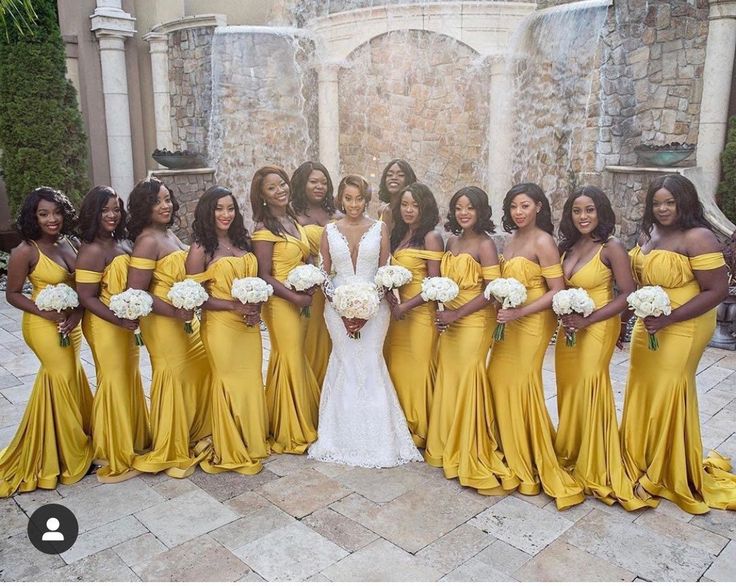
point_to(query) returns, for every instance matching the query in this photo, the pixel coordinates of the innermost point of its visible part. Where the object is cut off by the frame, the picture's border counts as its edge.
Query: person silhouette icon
(43, 529)
(52, 524)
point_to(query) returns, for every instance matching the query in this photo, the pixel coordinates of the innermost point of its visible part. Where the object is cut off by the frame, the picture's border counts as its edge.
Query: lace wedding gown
(360, 419)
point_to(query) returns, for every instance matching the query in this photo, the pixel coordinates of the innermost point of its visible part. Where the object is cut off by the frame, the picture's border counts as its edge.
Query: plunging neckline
(585, 264)
(354, 262)
(51, 260)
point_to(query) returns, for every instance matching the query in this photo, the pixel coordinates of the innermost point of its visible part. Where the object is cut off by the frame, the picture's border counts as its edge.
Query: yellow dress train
(461, 438)
(515, 371)
(317, 344)
(292, 392)
(181, 379)
(53, 442)
(120, 427)
(587, 442)
(411, 347)
(660, 429)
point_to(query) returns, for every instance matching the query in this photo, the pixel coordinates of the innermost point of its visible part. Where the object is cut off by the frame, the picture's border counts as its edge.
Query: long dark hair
(532, 190)
(27, 223)
(90, 214)
(299, 188)
(141, 202)
(411, 177)
(479, 200)
(569, 234)
(429, 216)
(261, 211)
(689, 208)
(204, 231)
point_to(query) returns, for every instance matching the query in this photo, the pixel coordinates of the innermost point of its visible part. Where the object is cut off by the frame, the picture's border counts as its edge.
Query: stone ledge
(196, 21)
(632, 169)
(175, 172)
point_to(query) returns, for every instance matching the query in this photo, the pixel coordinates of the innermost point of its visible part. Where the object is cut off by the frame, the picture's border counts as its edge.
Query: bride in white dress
(360, 419)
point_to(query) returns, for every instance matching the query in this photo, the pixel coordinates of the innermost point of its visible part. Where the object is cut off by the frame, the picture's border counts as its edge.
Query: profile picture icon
(53, 529)
(52, 524)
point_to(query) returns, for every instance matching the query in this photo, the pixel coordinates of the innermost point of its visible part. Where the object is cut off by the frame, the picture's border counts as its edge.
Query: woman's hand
(505, 316)
(303, 299)
(183, 314)
(653, 324)
(574, 322)
(445, 318)
(398, 310)
(55, 316)
(128, 324)
(353, 325)
(71, 322)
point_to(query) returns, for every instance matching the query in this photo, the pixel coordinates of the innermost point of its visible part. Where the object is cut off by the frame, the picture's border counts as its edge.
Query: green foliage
(18, 14)
(41, 133)
(726, 194)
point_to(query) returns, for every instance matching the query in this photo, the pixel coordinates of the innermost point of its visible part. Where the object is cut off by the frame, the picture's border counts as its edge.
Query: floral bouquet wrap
(302, 278)
(391, 277)
(132, 304)
(57, 298)
(651, 301)
(572, 301)
(189, 295)
(356, 301)
(251, 290)
(510, 293)
(439, 289)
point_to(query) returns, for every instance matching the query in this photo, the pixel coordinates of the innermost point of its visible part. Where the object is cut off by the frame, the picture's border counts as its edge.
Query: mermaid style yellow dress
(53, 442)
(181, 382)
(587, 442)
(317, 344)
(515, 371)
(461, 438)
(292, 392)
(411, 347)
(120, 427)
(239, 416)
(660, 429)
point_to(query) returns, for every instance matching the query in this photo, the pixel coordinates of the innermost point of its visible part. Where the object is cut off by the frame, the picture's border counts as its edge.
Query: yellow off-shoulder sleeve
(87, 277)
(708, 261)
(429, 254)
(250, 265)
(265, 236)
(491, 272)
(146, 264)
(552, 271)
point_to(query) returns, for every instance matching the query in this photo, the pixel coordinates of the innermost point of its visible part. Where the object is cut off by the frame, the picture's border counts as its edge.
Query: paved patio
(306, 520)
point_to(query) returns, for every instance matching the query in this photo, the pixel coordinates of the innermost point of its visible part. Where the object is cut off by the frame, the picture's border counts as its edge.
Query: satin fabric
(317, 344)
(660, 429)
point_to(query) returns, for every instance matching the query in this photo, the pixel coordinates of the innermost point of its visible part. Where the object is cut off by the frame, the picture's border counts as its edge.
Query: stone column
(499, 134)
(112, 26)
(159, 47)
(329, 119)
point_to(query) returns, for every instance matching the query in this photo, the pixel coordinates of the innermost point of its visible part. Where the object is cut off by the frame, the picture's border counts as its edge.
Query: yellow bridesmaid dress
(53, 442)
(461, 438)
(292, 392)
(515, 371)
(119, 414)
(317, 345)
(660, 429)
(181, 383)
(588, 443)
(411, 346)
(239, 417)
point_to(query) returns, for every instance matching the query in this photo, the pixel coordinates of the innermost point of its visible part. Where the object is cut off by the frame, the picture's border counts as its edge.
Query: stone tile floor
(313, 521)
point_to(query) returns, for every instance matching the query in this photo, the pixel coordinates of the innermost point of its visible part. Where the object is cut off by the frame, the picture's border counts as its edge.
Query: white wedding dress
(360, 419)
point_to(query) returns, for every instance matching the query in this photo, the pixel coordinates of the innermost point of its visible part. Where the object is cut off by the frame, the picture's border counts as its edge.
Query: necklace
(221, 245)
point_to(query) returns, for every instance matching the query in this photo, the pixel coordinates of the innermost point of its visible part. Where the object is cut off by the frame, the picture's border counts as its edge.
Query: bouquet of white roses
(571, 301)
(439, 289)
(132, 304)
(650, 301)
(187, 294)
(510, 293)
(57, 298)
(356, 301)
(251, 290)
(391, 277)
(302, 278)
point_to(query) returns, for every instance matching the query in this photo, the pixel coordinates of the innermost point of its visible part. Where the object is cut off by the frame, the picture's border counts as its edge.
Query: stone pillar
(329, 119)
(159, 47)
(499, 134)
(111, 25)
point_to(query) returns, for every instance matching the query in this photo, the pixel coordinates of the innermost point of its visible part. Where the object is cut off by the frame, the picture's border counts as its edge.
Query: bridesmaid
(221, 253)
(181, 382)
(660, 430)
(314, 205)
(462, 433)
(53, 442)
(281, 244)
(412, 336)
(119, 413)
(515, 369)
(587, 442)
(396, 176)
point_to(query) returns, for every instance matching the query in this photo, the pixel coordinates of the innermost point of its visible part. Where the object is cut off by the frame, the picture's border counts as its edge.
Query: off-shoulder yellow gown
(119, 414)
(660, 429)
(292, 392)
(411, 346)
(317, 344)
(462, 432)
(588, 443)
(53, 442)
(181, 383)
(239, 417)
(515, 371)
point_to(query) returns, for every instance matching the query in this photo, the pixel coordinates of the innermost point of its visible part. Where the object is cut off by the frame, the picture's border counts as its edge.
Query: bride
(360, 419)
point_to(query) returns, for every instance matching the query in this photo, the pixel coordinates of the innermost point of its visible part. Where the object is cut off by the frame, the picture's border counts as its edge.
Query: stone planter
(725, 335)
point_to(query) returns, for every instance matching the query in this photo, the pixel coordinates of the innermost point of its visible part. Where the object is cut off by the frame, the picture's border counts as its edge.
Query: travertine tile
(12, 518)
(103, 537)
(251, 527)
(174, 487)
(345, 532)
(476, 570)
(330, 469)
(85, 483)
(246, 503)
(138, 550)
(303, 492)
(724, 567)
(455, 548)
(503, 557)
(19, 560)
(227, 485)
(717, 521)
(380, 485)
(285, 464)
(687, 534)
(104, 566)
(708, 378)
(30, 501)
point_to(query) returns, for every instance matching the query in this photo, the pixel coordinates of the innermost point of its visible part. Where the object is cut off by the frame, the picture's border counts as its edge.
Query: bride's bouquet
(510, 293)
(189, 295)
(356, 301)
(57, 298)
(439, 289)
(391, 277)
(132, 304)
(251, 290)
(302, 278)
(651, 301)
(571, 301)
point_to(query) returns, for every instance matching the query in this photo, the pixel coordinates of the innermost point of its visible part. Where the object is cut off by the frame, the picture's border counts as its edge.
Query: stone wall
(187, 186)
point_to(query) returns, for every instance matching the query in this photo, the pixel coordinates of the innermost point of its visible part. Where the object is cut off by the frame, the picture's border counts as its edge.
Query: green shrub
(726, 194)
